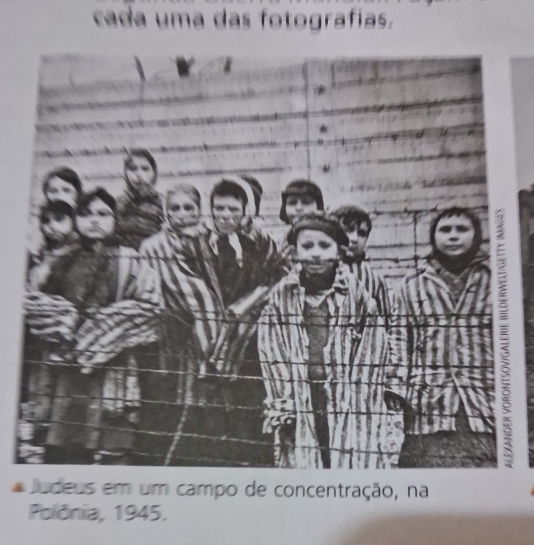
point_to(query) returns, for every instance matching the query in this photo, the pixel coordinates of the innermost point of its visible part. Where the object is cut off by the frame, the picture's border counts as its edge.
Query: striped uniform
(106, 331)
(241, 295)
(236, 323)
(190, 408)
(50, 323)
(187, 297)
(442, 352)
(376, 286)
(355, 359)
(192, 294)
(49, 317)
(130, 321)
(85, 391)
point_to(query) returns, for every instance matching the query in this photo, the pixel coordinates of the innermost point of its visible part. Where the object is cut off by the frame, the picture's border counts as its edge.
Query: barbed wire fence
(405, 139)
(192, 415)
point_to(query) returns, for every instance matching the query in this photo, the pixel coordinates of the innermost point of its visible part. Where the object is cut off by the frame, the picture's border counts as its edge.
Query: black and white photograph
(270, 263)
(523, 102)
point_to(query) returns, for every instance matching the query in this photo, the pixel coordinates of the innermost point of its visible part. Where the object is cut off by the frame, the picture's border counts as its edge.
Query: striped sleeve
(238, 331)
(276, 369)
(50, 317)
(382, 300)
(130, 321)
(186, 296)
(399, 342)
(240, 326)
(376, 286)
(368, 374)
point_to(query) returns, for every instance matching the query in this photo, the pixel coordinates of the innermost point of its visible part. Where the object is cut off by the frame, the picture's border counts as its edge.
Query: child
(62, 184)
(56, 221)
(59, 185)
(300, 197)
(107, 301)
(177, 400)
(442, 350)
(139, 209)
(323, 350)
(357, 224)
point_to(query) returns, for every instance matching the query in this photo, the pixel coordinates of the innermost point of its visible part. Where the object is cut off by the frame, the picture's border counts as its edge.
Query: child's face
(56, 228)
(297, 205)
(317, 252)
(96, 222)
(60, 190)
(139, 172)
(182, 211)
(454, 236)
(358, 237)
(227, 213)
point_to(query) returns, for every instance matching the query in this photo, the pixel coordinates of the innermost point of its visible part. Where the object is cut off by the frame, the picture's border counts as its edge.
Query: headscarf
(99, 193)
(456, 264)
(67, 175)
(257, 191)
(190, 231)
(244, 189)
(189, 189)
(144, 154)
(247, 196)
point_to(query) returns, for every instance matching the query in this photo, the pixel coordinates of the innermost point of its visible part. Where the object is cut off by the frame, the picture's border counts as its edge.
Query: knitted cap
(319, 221)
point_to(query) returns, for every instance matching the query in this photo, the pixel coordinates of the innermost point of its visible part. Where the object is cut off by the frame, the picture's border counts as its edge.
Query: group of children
(156, 336)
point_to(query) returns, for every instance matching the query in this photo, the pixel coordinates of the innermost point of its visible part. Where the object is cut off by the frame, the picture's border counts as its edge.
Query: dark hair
(257, 190)
(58, 209)
(352, 216)
(145, 154)
(301, 187)
(227, 188)
(67, 175)
(456, 211)
(99, 193)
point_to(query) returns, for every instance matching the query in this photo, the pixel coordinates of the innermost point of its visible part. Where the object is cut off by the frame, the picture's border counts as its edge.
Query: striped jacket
(91, 328)
(236, 323)
(127, 322)
(98, 334)
(187, 297)
(376, 286)
(355, 357)
(442, 351)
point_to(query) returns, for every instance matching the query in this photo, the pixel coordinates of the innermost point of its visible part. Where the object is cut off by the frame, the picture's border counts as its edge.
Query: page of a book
(267, 271)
